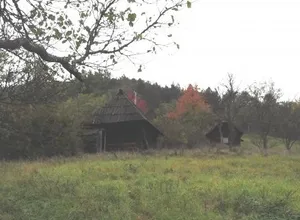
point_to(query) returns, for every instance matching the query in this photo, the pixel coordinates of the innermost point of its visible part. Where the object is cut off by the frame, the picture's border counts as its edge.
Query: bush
(46, 130)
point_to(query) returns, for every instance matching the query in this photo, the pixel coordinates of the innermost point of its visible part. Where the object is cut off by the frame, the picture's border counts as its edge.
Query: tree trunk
(265, 146)
(288, 146)
(265, 152)
(231, 135)
(289, 151)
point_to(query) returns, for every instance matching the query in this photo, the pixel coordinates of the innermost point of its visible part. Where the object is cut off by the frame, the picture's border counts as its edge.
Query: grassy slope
(276, 145)
(136, 187)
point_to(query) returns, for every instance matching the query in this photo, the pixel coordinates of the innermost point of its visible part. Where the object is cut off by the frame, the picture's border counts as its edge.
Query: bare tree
(74, 35)
(264, 107)
(288, 124)
(232, 103)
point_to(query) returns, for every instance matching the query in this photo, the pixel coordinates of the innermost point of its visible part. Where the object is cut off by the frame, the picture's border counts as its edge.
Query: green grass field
(191, 186)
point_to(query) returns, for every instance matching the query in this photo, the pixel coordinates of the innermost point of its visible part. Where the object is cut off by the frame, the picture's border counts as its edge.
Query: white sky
(256, 40)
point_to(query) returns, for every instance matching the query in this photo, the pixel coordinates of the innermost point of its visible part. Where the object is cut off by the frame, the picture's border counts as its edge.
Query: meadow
(194, 185)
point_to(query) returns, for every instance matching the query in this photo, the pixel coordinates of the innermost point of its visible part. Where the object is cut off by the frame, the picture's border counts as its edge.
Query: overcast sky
(256, 40)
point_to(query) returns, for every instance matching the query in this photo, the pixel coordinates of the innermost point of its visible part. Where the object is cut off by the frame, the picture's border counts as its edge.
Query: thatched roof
(119, 109)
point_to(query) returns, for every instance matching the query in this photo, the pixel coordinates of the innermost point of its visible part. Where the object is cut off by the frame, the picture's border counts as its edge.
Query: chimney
(134, 97)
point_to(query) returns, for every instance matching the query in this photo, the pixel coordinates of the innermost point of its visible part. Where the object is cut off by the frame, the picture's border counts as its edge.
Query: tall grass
(151, 187)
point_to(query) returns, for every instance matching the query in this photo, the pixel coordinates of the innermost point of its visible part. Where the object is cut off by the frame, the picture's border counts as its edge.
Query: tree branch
(103, 51)
(42, 52)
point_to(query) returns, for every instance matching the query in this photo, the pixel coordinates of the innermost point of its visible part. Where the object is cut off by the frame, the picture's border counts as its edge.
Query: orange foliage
(191, 100)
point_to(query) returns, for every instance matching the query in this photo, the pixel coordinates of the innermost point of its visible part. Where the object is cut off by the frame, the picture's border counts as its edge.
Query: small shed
(220, 134)
(120, 125)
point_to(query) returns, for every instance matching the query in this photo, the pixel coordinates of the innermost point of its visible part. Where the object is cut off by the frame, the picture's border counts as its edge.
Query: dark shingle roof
(119, 109)
(224, 123)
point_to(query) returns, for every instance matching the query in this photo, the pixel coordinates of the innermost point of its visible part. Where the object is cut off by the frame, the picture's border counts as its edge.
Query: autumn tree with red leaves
(190, 101)
(189, 119)
(140, 103)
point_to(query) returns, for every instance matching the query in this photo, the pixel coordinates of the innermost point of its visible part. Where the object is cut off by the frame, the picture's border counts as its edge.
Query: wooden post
(104, 141)
(145, 138)
(101, 140)
(97, 142)
(220, 132)
(157, 143)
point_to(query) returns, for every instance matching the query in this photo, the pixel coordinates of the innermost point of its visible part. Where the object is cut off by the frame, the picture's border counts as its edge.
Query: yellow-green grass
(276, 145)
(152, 187)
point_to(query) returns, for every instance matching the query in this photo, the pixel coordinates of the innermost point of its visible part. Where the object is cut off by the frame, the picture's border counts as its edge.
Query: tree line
(41, 108)
(42, 116)
(256, 110)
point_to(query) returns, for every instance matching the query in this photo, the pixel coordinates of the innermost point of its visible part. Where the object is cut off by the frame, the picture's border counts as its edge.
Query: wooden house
(220, 134)
(120, 125)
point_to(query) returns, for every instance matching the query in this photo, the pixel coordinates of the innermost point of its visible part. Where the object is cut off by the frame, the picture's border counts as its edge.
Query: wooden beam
(104, 140)
(98, 141)
(101, 140)
(220, 132)
(145, 138)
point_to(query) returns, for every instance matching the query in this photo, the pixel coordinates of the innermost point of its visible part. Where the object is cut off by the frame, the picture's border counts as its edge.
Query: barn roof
(224, 123)
(119, 109)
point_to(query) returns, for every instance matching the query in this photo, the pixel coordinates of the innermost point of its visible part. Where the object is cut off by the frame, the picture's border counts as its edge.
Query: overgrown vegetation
(162, 186)
(42, 117)
(42, 108)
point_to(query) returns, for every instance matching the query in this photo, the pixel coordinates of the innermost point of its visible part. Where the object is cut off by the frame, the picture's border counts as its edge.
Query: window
(225, 140)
